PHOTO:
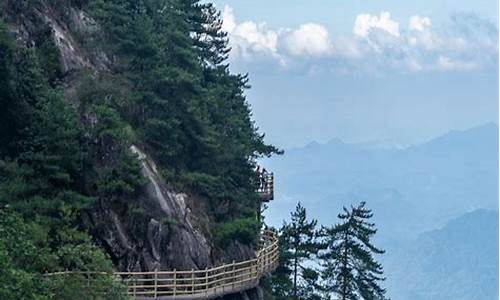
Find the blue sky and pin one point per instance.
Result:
(390, 71)
(339, 15)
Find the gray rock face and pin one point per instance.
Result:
(170, 233)
(183, 241)
(172, 237)
(65, 28)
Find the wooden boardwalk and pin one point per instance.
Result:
(209, 294)
(202, 284)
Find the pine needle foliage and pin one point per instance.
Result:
(350, 270)
(296, 278)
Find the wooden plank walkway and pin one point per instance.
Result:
(201, 284)
(210, 294)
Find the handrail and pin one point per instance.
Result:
(201, 284)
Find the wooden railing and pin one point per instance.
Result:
(203, 284)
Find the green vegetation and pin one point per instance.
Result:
(239, 229)
(26, 254)
(41, 174)
(298, 242)
(183, 103)
(349, 268)
(336, 261)
(168, 90)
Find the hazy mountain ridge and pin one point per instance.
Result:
(438, 180)
(459, 261)
(414, 192)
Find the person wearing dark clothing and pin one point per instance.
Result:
(260, 179)
(264, 180)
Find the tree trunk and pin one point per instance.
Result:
(295, 267)
(344, 266)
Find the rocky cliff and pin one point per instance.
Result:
(174, 228)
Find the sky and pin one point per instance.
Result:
(388, 71)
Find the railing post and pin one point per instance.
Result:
(256, 263)
(175, 282)
(216, 276)
(268, 255)
(156, 283)
(277, 255)
(264, 266)
(268, 258)
(223, 277)
(274, 256)
(234, 274)
(134, 286)
(192, 281)
(206, 280)
(253, 269)
(259, 262)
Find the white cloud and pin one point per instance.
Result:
(309, 40)
(420, 34)
(348, 48)
(257, 36)
(249, 38)
(419, 23)
(377, 44)
(365, 23)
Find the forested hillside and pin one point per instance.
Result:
(82, 84)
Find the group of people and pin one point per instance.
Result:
(262, 175)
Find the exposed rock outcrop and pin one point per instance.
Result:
(172, 235)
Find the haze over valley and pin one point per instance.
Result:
(420, 195)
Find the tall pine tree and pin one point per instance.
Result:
(296, 278)
(350, 270)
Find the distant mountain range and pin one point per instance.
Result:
(459, 261)
(414, 189)
(411, 190)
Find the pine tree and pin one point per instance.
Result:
(299, 247)
(117, 169)
(350, 270)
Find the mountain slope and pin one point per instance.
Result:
(459, 261)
